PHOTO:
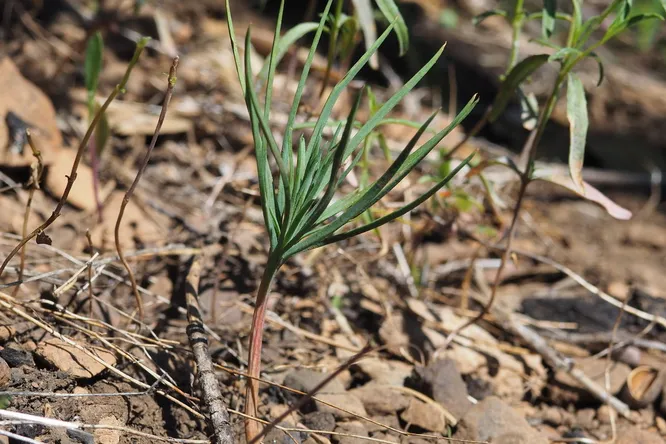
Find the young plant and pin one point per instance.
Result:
(299, 203)
(579, 46)
(91, 72)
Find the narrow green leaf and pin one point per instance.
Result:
(304, 76)
(369, 196)
(340, 87)
(385, 219)
(379, 115)
(518, 74)
(337, 162)
(561, 54)
(234, 47)
(272, 62)
(347, 36)
(578, 122)
(391, 12)
(366, 20)
(586, 30)
(548, 19)
(286, 42)
(93, 66)
(490, 13)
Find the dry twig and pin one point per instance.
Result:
(171, 82)
(212, 397)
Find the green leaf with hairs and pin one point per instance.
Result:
(578, 123)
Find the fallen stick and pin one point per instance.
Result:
(211, 395)
(555, 360)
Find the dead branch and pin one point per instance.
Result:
(554, 359)
(212, 397)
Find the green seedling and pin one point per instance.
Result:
(92, 70)
(303, 204)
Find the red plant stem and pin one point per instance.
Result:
(252, 428)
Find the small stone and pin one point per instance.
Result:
(346, 405)
(634, 435)
(5, 373)
(81, 436)
(108, 436)
(494, 421)
(604, 413)
(552, 415)
(424, 415)
(306, 380)
(585, 419)
(16, 357)
(6, 333)
(442, 380)
(277, 436)
(319, 421)
(384, 371)
(72, 360)
(595, 369)
(352, 428)
(379, 399)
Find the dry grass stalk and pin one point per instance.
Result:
(171, 82)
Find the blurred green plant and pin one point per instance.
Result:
(92, 69)
(583, 37)
(300, 205)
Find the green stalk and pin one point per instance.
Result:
(516, 27)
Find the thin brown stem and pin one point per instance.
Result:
(171, 82)
(77, 160)
(36, 176)
(91, 295)
(505, 258)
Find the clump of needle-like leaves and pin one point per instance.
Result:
(301, 204)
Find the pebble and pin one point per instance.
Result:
(495, 421)
(16, 357)
(72, 360)
(5, 373)
(346, 405)
(443, 380)
(424, 415)
(306, 380)
(379, 400)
